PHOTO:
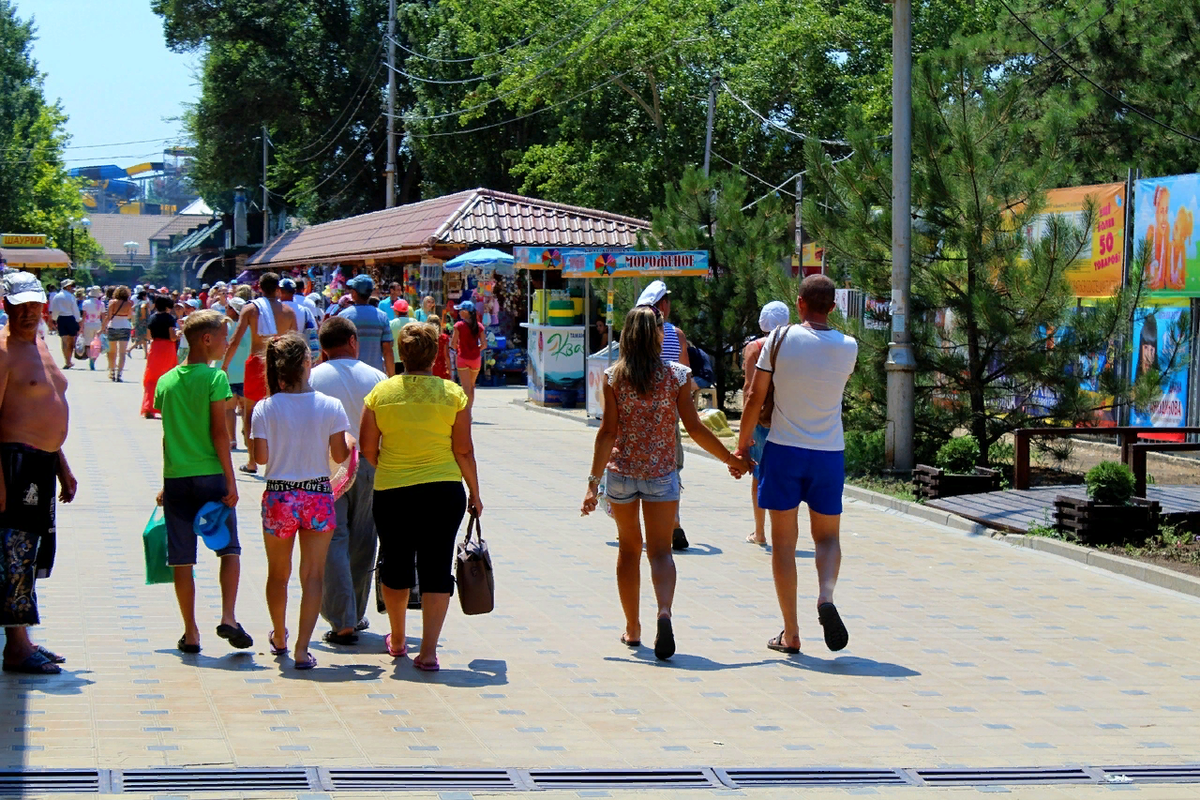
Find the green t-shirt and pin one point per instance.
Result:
(396, 324)
(183, 396)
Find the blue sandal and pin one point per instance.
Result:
(307, 663)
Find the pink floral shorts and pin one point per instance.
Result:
(284, 513)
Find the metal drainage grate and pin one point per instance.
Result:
(1003, 776)
(1187, 773)
(417, 778)
(816, 776)
(168, 781)
(58, 781)
(623, 779)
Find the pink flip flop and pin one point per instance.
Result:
(424, 667)
(387, 642)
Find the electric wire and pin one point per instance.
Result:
(349, 120)
(573, 54)
(349, 155)
(543, 109)
(1081, 74)
(780, 126)
(544, 51)
(338, 118)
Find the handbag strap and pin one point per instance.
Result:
(475, 527)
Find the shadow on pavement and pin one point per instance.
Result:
(693, 550)
(479, 672)
(854, 666)
(339, 673)
(233, 661)
(685, 661)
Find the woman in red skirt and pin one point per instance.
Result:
(441, 364)
(162, 358)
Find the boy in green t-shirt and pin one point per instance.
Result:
(197, 469)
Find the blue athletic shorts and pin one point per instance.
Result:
(793, 475)
(623, 489)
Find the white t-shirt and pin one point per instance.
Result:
(811, 370)
(348, 381)
(297, 428)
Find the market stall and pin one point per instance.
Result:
(560, 369)
(28, 252)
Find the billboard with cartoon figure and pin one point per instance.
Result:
(1164, 217)
(1160, 342)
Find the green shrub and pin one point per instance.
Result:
(864, 452)
(1110, 483)
(1001, 453)
(959, 455)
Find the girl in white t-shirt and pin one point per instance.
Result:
(294, 432)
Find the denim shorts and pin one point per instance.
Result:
(622, 489)
(756, 449)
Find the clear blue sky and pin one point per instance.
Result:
(108, 63)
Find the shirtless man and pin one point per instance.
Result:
(267, 316)
(33, 427)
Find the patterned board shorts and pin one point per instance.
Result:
(286, 511)
(18, 566)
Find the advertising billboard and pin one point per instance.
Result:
(1164, 217)
(1098, 272)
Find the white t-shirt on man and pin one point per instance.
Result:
(297, 427)
(348, 381)
(811, 370)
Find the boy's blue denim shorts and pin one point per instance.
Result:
(622, 489)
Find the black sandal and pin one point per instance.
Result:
(340, 639)
(184, 647)
(235, 636)
(625, 640)
(664, 643)
(836, 635)
(778, 645)
(34, 664)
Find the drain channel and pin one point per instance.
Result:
(1008, 776)
(623, 779)
(168, 781)
(811, 777)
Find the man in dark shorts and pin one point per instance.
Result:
(33, 427)
(64, 310)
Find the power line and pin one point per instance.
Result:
(777, 125)
(349, 155)
(543, 109)
(760, 180)
(349, 120)
(338, 118)
(543, 52)
(1081, 74)
(573, 54)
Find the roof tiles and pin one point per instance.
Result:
(471, 218)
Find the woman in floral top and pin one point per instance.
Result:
(644, 398)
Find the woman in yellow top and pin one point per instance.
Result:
(416, 432)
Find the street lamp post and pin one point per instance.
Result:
(84, 223)
(131, 249)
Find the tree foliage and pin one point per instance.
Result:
(36, 194)
(997, 338)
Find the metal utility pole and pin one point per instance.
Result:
(713, 86)
(390, 199)
(901, 364)
(799, 229)
(266, 209)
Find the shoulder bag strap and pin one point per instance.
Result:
(782, 334)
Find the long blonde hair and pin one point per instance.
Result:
(641, 349)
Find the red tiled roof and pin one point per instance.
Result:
(473, 217)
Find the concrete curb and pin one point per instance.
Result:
(1130, 568)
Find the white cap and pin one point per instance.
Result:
(773, 315)
(23, 287)
(656, 291)
(237, 304)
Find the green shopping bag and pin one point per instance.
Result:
(154, 543)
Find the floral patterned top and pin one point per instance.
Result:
(645, 446)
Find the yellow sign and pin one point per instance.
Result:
(1097, 273)
(22, 240)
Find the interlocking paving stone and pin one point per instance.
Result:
(1007, 613)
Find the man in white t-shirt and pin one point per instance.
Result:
(306, 318)
(350, 561)
(802, 461)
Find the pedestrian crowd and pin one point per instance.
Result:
(367, 454)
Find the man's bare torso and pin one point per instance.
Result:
(34, 409)
(285, 320)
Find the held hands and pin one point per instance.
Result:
(739, 464)
(590, 501)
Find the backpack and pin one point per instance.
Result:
(702, 367)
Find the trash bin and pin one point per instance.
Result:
(596, 364)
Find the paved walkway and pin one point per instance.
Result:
(963, 651)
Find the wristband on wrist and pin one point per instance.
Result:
(593, 480)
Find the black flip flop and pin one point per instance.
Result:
(340, 639)
(34, 664)
(777, 644)
(625, 640)
(184, 647)
(664, 643)
(235, 636)
(836, 635)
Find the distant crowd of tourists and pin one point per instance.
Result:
(367, 452)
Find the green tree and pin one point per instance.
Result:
(1012, 347)
(719, 313)
(36, 193)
